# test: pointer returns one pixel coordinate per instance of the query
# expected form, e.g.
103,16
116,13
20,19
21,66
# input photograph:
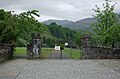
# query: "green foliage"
61,35
105,27
8,27
19,28
30,25
78,37
65,34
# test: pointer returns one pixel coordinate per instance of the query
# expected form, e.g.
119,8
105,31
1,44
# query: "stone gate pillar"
85,46
34,48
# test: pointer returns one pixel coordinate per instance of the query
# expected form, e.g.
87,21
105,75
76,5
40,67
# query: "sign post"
61,48
60,54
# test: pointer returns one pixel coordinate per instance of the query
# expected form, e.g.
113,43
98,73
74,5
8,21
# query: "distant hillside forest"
62,35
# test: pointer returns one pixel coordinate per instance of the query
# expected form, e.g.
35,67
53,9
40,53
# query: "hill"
80,24
59,22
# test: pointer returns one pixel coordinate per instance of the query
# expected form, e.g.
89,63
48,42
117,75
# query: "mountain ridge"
59,22
80,24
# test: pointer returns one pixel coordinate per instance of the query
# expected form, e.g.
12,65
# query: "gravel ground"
67,69
10,69
61,69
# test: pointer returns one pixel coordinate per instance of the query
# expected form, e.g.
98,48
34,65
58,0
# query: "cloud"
57,9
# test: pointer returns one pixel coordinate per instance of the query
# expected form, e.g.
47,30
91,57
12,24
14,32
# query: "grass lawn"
73,53
20,51
23,50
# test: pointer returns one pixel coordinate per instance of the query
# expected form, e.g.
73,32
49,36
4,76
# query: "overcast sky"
57,9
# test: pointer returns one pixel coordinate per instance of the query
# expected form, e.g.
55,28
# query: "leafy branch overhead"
13,26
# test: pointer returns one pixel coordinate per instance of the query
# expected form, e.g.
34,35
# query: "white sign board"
57,47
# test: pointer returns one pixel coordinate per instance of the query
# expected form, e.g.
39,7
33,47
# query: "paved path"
60,69
56,55
10,69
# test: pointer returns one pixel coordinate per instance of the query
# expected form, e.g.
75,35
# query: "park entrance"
66,53
34,50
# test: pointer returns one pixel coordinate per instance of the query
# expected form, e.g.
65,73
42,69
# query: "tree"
28,26
105,25
8,27
19,28
63,33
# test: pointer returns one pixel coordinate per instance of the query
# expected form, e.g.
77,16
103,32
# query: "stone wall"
6,52
101,53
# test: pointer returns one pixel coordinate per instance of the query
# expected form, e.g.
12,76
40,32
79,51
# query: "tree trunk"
113,44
